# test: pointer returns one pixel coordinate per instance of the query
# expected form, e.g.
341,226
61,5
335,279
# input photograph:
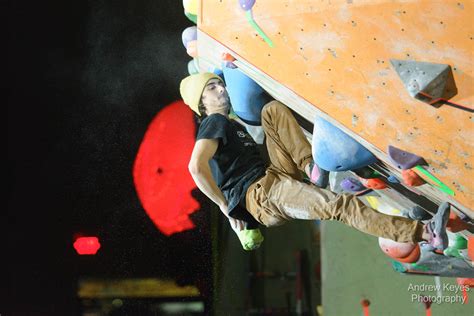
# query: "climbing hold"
227,57
193,67
246,4
189,38
393,179
246,96
334,150
366,173
191,6
435,80
456,224
189,34
469,282
430,83
459,242
191,49
402,252
191,17
374,184
452,252
470,248
228,61
411,178
228,64
420,267
403,159
352,185
399,267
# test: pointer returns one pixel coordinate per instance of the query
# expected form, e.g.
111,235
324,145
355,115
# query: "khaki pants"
280,195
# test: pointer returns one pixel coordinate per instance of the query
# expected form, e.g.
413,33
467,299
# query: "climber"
250,192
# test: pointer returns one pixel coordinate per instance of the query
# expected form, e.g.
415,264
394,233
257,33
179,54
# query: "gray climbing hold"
426,81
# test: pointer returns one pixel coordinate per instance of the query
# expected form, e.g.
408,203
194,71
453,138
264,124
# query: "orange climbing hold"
374,184
227,57
468,282
402,252
411,178
470,247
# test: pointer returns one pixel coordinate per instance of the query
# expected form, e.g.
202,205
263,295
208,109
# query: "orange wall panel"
336,55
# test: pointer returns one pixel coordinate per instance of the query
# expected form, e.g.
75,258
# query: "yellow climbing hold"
191,6
373,201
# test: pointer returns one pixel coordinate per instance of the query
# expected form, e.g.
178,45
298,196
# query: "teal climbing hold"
397,266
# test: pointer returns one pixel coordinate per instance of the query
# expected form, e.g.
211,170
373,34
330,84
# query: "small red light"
87,245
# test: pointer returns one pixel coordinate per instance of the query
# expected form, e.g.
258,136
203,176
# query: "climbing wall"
341,60
353,270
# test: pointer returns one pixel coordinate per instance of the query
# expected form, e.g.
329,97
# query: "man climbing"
249,192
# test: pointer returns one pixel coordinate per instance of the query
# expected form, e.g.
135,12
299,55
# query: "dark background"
84,80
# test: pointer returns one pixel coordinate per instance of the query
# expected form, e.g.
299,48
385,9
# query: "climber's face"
215,98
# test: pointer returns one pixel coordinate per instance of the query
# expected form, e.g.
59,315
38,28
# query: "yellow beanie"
191,88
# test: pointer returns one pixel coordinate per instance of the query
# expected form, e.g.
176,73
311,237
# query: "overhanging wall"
332,58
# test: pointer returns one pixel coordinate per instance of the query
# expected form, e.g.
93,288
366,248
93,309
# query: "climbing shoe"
318,176
436,227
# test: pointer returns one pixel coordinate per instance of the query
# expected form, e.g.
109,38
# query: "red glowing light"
87,245
162,180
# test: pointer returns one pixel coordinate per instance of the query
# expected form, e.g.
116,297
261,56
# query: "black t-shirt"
237,162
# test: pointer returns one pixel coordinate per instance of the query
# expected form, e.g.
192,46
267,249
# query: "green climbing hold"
191,17
452,252
460,242
419,267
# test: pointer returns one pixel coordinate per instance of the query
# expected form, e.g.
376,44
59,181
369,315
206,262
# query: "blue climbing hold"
246,96
392,179
334,150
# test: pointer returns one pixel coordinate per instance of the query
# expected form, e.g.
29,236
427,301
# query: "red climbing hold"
455,224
